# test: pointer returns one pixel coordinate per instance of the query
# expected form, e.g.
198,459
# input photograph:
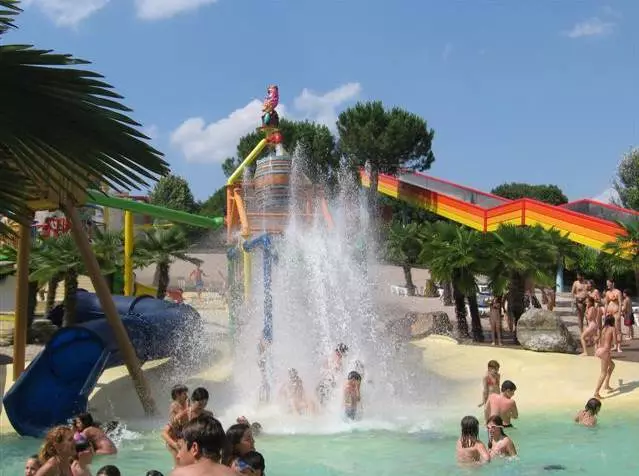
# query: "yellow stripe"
576,237
505,217
566,226
495,226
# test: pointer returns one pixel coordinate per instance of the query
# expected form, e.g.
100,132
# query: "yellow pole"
128,253
249,158
21,327
127,351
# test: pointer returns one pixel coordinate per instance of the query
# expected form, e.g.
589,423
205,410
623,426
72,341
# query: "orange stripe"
578,219
510,216
506,208
570,227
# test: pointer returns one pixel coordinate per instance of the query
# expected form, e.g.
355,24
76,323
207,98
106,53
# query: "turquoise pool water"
550,440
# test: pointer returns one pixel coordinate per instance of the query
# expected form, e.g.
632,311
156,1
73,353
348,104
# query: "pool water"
542,441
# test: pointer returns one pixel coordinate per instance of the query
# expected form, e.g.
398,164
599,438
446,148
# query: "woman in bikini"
606,341
613,308
499,444
496,307
596,295
57,453
592,329
469,448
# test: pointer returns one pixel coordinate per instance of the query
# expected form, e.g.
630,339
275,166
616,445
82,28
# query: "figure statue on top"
270,117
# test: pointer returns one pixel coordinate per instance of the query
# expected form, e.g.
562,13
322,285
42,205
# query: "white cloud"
72,12
593,27
162,9
323,108
67,12
210,143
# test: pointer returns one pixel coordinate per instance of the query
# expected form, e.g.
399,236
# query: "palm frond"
9,9
62,127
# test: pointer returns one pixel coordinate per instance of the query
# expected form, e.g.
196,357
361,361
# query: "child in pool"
491,381
469,448
179,401
352,395
32,466
499,443
588,416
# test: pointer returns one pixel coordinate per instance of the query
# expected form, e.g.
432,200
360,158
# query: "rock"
543,331
416,325
42,330
6,337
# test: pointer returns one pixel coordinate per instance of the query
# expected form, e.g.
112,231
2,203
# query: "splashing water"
323,285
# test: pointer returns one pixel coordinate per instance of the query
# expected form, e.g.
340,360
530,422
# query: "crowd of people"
500,409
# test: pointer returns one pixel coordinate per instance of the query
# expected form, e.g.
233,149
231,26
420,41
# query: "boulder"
543,331
416,325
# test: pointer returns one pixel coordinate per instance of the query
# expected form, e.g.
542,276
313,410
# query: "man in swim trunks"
580,292
502,404
612,303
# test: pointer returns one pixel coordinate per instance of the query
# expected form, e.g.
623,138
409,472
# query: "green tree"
402,248
626,251
162,246
173,192
59,257
454,253
544,193
108,247
215,205
229,165
384,140
627,181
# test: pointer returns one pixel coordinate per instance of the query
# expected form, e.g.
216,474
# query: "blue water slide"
58,382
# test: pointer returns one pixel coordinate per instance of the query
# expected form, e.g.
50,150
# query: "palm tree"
625,250
454,253
63,127
60,126
162,246
519,254
403,247
108,247
59,257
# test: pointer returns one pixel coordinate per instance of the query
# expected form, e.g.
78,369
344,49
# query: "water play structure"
59,381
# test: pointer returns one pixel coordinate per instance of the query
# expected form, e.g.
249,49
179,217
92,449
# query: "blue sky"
539,91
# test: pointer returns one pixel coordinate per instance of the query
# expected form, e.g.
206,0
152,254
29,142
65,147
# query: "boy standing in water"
352,395
502,404
197,407
490,381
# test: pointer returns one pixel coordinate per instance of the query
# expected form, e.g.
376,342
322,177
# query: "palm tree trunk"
408,276
475,321
110,280
70,298
516,296
448,293
52,289
163,279
33,301
637,280
460,313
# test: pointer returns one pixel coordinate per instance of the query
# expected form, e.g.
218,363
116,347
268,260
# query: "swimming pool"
541,441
